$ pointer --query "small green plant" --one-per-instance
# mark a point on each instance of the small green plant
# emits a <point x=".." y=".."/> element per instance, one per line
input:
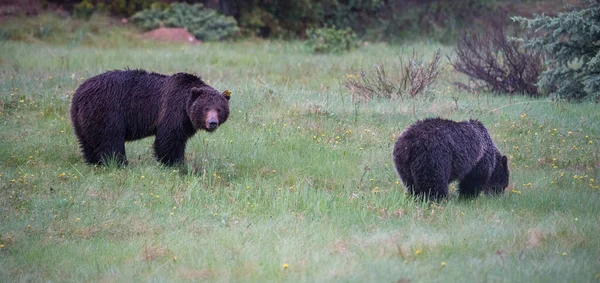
<point x="331" y="40"/>
<point x="571" y="42"/>
<point x="204" y="24"/>
<point x="83" y="10"/>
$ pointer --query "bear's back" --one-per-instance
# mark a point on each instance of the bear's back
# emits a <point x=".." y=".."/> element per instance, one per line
<point x="453" y="140"/>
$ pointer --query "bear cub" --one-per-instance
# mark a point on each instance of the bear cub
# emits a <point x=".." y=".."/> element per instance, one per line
<point x="125" y="105"/>
<point x="433" y="152"/>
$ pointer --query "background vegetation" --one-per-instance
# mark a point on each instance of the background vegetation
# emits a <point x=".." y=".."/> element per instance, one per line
<point x="399" y="20"/>
<point x="297" y="186"/>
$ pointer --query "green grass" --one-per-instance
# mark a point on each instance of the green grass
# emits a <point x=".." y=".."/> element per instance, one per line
<point x="299" y="175"/>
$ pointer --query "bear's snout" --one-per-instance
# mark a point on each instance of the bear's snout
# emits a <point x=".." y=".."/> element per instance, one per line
<point x="212" y="120"/>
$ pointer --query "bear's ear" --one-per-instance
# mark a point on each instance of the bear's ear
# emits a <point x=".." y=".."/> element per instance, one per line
<point x="227" y="94"/>
<point x="197" y="92"/>
<point x="504" y="161"/>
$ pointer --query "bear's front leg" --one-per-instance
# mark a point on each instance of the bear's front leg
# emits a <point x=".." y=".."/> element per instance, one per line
<point x="169" y="147"/>
<point x="472" y="184"/>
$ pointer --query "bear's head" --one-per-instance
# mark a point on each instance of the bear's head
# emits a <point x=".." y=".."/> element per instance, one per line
<point x="500" y="176"/>
<point x="209" y="108"/>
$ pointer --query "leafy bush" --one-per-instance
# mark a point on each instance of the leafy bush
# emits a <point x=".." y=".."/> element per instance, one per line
<point x="204" y="24"/>
<point x="331" y="40"/>
<point x="83" y="10"/>
<point x="414" y="77"/>
<point x="571" y="42"/>
<point x="503" y="66"/>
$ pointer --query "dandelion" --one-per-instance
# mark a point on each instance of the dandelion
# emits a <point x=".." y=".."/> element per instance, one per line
<point x="157" y="196"/>
<point x="285" y="266"/>
<point x="78" y="219"/>
<point x="174" y="258"/>
<point x="143" y="177"/>
<point x="21" y="100"/>
<point x="564" y="254"/>
<point x="274" y="171"/>
<point x="361" y="148"/>
<point x="569" y="132"/>
<point x="443" y="263"/>
<point x="171" y="214"/>
<point x="418" y="252"/>
<point x="75" y="178"/>
<point x="2" y="246"/>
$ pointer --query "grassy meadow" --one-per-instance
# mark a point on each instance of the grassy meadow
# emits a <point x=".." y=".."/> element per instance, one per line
<point x="298" y="185"/>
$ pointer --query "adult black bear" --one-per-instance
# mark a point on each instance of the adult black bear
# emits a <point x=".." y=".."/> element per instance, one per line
<point x="118" y="106"/>
<point x="434" y="152"/>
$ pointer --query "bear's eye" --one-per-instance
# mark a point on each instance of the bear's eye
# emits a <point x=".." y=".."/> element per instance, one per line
<point x="218" y="110"/>
<point x="205" y="109"/>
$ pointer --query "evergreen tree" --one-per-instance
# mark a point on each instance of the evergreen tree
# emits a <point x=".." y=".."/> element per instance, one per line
<point x="571" y="41"/>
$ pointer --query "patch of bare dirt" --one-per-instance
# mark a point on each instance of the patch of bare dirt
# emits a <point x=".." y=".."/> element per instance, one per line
<point x="193" y="275"/>
<point x="535" y="238"/>
<point x="151" y="253"/>
<point x="173" y="35"/>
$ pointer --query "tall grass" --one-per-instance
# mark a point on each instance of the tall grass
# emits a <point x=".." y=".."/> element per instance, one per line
<point x="299" y="175"/>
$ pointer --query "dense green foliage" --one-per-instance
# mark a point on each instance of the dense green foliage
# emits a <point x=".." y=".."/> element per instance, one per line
<point x="204" y="24"/>
<point x="571" y="42"/>
<point x="370" y="19"/>
<point x="124" y="8"/>
<point x="331" y="40"/>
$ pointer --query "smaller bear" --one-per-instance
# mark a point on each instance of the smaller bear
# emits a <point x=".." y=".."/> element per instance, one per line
<point x="433" y="152"/>
<point x="125" y="105"/>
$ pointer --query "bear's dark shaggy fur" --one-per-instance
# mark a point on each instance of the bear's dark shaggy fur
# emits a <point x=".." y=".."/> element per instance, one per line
<point x="434" y="152"/>
<point x="118" y="106"/>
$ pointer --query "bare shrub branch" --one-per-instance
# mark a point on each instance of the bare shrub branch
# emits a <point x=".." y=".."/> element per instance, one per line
<point x="414" y="77"/>
<point x="490" y="56"/>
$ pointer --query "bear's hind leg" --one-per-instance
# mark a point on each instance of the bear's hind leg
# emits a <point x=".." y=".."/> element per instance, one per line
<point x="112" y="144"/>
<point x="433" y="187"/>
<point x="113" y="150"/>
